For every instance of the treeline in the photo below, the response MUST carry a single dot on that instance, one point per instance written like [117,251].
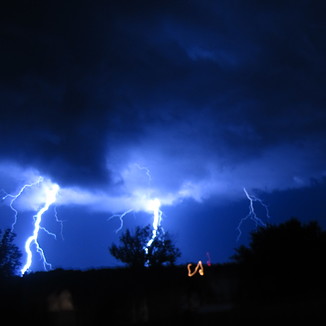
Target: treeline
[286,260]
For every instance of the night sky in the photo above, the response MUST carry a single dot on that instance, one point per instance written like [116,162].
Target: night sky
[190,102]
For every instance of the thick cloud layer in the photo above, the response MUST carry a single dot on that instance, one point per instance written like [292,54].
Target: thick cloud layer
[210,96]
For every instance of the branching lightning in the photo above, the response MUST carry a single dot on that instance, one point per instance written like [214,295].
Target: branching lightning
[50,198]
[58,221]
[51,195]
[121,216]
[146,203]
[151,205]
[252,213]
[14,197]
[147,171]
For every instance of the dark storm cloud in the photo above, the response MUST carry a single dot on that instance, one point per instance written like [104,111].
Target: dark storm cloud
[188,84]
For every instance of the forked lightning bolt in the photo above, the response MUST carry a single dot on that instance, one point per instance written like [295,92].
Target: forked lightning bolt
[252,214]
[50,198]
[152,206]
[14,197]
[120,216]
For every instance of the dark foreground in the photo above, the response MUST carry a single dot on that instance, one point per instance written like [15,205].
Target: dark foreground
[155,297]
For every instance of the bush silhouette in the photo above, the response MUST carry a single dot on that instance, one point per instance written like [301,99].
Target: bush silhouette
[288,258]
[9,254]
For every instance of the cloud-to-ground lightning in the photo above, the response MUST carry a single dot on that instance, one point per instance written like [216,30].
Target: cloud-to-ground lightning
[50,192]
[150,205]
[252,213]
[154,206]
[51,195]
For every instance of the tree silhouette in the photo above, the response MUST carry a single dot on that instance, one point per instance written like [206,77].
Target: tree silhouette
[290,256]
[133,250]
[162,250]
[9,254]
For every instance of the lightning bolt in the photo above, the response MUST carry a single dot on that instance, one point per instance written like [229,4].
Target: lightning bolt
[152,206]
[252,213]
[60,222]
[147,171]
[14,197]
[123,214]
[50,197]
[120,216]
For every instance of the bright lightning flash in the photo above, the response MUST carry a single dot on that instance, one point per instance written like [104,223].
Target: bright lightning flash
[50,198]
[51,195]
[154,206]
[148,205]
[252,213]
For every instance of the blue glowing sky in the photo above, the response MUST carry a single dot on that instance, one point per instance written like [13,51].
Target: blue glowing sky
[185,101]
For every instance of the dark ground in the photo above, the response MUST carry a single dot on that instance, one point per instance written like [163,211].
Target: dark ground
[155,297]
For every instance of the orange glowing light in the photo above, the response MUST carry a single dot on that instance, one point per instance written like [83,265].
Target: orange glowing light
[199,268]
